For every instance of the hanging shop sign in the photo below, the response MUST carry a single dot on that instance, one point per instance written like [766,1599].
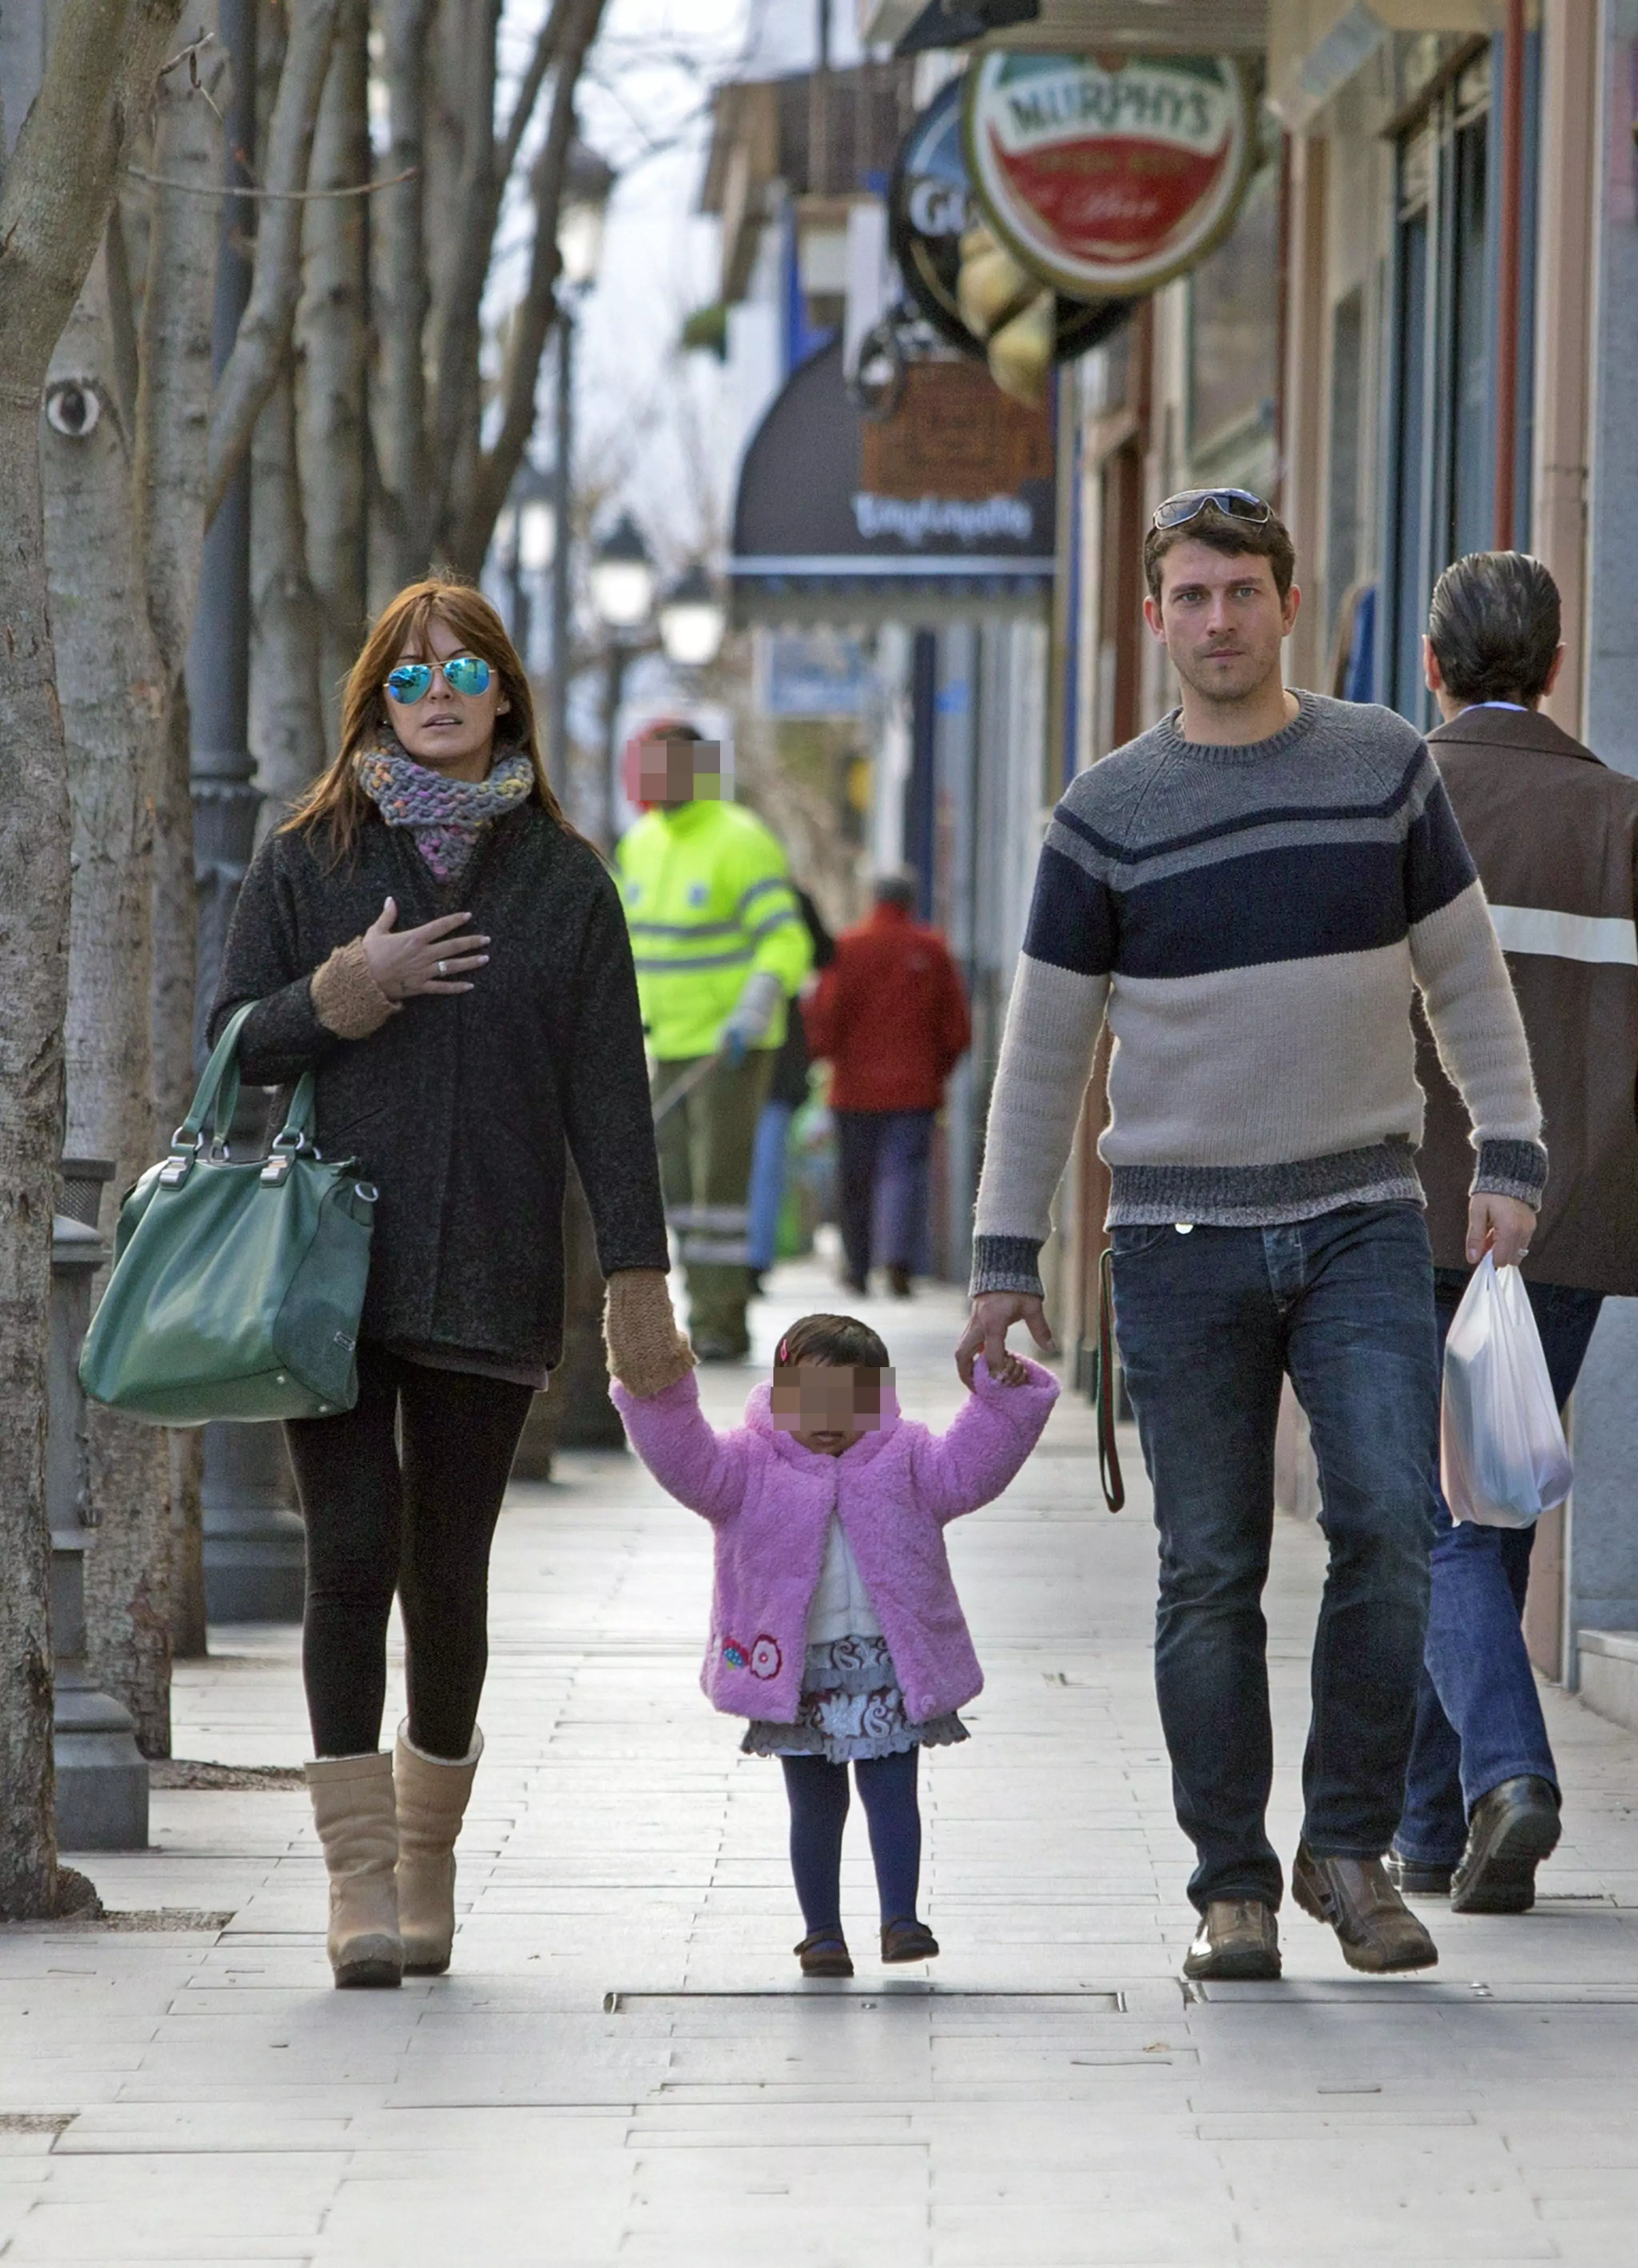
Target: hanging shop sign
[930,209]
[1109,175]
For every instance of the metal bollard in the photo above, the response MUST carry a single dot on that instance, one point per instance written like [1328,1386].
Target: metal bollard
[102,1778]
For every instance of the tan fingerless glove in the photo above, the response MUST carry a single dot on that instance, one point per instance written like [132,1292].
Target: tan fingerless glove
[646,1350]
[346,999]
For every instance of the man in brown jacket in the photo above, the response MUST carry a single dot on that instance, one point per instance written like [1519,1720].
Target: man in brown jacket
[1554,834]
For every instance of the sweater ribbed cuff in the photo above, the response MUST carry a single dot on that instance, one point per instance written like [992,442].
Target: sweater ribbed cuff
[346,999]
[1512,1169]
[1007,1263]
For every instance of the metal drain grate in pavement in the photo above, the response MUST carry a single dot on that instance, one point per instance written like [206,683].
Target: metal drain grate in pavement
[1080,2003]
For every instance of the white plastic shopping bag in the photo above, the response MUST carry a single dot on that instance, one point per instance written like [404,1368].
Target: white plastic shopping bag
[1504,1460]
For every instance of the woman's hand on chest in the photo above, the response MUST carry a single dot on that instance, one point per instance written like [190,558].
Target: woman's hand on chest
[441,955]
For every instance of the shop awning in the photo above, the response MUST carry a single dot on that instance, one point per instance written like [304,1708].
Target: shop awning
[944,511]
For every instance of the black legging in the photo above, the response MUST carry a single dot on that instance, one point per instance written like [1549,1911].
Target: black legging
[422,1526]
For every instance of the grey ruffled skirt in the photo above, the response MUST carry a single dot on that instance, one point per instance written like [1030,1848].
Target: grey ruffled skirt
[851,1710]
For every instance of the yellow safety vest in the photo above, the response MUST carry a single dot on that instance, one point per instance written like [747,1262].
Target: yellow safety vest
[709,905]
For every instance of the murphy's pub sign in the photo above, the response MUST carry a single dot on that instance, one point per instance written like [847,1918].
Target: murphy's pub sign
[1109,175]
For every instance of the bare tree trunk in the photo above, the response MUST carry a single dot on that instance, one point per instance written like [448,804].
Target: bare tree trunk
[110,683]
[463,44]
[332,337]
[173,399]
[287,724]
[54,206]
[401,546]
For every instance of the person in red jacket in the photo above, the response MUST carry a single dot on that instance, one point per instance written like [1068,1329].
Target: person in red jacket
[890,1015]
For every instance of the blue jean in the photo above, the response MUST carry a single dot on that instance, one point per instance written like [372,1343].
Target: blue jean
[1209,1321]
[767,1182]
[1479,1719]
[882,1160]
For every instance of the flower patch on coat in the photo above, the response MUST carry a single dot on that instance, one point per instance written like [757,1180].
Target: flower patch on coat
[734,1653]
[766,1658]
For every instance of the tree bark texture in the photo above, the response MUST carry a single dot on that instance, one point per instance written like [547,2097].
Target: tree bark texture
[173,345]
[110,683]
[54,206]
[464,41]
[332,345]
[286,722]
[252,370]
[477,503]
[402,543]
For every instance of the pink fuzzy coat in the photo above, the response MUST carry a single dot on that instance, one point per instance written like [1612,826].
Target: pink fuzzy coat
[770,1501]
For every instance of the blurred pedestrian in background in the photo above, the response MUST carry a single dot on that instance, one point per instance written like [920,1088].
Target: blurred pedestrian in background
[431,939]
[720,947]
[1554,834]
[786,1095]
[890,1016]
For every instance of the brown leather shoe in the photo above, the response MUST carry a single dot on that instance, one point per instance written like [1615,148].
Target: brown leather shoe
[1237,1937]
[1377,1930]
[824,1953]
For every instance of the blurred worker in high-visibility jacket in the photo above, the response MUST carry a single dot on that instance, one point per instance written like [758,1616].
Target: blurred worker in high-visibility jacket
[720,947]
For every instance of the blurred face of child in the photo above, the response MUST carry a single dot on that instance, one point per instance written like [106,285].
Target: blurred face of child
[826,1406]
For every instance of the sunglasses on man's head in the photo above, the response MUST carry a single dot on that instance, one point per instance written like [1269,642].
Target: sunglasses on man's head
[1233,504]
[463,673]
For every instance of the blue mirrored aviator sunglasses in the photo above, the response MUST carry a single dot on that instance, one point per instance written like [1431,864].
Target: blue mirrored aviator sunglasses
[1234,504]
[463,673]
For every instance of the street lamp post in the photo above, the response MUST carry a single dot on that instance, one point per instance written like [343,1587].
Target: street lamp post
[622,592]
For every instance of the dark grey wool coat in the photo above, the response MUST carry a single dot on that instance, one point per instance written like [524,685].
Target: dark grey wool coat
[460,1105]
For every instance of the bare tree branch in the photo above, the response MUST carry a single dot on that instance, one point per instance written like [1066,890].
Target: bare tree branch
[528,94]
[253,368]
[538,312]
[463,270]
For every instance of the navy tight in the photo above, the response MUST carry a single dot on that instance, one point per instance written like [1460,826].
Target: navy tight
[817,1791]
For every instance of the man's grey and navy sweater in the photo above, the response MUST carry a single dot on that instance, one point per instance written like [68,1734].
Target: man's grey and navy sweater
[1254,920]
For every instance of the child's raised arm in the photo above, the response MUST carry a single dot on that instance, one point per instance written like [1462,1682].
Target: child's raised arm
[986,1446]
[702,1468]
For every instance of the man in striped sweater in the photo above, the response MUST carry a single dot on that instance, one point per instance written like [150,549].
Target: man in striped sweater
[1251,891]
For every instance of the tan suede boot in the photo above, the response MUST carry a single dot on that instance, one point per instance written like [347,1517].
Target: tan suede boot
[354,1810]
[432,1795]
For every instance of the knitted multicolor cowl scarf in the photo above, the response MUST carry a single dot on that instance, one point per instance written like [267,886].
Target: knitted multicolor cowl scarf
[445,816]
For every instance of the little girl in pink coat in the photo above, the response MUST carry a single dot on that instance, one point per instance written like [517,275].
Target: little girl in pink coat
[835,1627]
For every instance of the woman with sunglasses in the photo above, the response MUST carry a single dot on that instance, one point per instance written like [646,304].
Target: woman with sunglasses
[432,938]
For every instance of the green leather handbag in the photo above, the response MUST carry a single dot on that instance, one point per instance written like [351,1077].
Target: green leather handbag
[237,1285]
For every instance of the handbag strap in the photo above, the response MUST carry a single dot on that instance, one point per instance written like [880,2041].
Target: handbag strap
[213,1086]
[1108,1452]
[217,1096]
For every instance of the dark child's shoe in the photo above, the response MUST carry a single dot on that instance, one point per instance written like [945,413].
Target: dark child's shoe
[1237,1937]
[908,1941]
[1514,1827]
[1412,1879]
[899,1283]
[825,1954]
[1375,1929]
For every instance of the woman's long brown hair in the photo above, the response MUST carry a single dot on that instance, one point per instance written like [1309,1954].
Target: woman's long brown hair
[335,800]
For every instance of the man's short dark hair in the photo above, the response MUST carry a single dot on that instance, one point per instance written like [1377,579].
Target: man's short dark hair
[837,1340]
[1269,539]
[1494,625]
[896,887]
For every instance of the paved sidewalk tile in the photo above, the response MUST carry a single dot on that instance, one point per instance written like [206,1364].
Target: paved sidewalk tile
[624,2065]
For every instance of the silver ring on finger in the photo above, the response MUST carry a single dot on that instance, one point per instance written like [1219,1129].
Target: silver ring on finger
[443,969]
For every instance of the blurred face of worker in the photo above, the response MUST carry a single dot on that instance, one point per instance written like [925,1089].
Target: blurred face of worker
[827,1406]
[1222,621]
[674,770]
